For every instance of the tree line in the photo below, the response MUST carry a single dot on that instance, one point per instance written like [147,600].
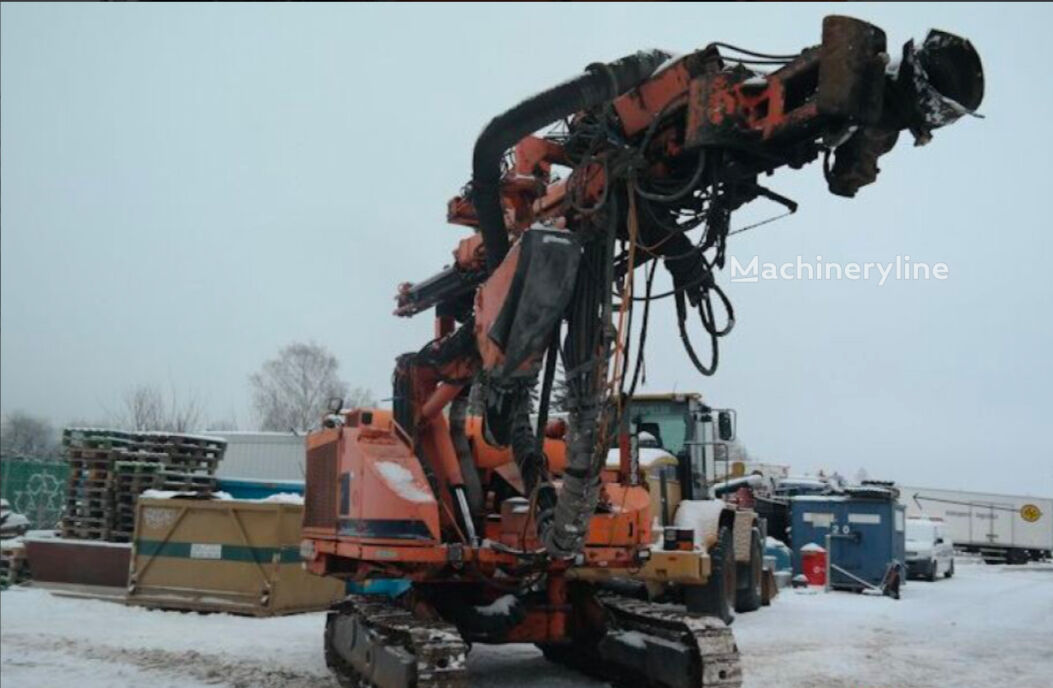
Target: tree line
[289,392]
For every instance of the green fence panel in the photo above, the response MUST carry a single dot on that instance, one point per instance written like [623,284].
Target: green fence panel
[35,488]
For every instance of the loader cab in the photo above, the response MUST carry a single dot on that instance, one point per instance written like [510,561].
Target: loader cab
[690,430]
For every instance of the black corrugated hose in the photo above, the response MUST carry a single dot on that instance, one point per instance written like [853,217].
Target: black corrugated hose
[600,83]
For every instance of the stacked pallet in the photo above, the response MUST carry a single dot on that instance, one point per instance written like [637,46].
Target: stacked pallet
[109,469]
[14,567]
[89,497]
[132,479]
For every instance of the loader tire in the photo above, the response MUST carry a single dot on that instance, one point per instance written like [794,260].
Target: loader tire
[717,596]
[950,570]
[749,595]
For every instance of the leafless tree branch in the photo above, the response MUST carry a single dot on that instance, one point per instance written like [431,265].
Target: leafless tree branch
[291,391]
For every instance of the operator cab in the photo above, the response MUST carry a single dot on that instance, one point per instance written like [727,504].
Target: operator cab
[696,434]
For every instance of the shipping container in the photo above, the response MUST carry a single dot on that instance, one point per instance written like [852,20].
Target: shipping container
[1002,528]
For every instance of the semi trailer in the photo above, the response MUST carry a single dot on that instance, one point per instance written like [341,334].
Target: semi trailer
[1011,529]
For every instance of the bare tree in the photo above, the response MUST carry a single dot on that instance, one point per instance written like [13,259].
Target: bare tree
[183,415]
[144,408]
[358,396]
[147,408]
[290,391]
[27,435]
[223,423]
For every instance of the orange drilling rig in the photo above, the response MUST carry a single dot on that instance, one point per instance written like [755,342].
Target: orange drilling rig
[503,537]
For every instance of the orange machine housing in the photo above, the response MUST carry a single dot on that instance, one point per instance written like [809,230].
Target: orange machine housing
[372,511]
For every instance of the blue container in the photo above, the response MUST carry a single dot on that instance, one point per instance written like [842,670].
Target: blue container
[867,529]
[781,553]
[240,488]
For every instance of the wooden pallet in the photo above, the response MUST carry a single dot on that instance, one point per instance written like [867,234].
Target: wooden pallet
[132,479]
[99,436]
[75,505]
[109,469]
[84,533]
[90,494]
[187,484]
[82,506]
[14,567]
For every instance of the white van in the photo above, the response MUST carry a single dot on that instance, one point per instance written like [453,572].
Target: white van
[930,551]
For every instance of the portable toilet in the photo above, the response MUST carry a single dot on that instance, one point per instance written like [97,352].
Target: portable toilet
[866,525]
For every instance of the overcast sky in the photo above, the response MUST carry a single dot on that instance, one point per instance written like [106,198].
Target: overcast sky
[187,188]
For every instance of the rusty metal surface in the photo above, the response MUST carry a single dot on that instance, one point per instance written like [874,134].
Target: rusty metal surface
[87,563]
[321,502]
[851,70]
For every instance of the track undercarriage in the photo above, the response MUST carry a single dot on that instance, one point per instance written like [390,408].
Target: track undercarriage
[373,642]
[379,643]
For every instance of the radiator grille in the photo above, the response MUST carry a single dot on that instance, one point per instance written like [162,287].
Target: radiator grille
[320,503]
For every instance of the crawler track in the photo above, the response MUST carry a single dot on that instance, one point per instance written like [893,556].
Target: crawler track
[650,644]
[372,643]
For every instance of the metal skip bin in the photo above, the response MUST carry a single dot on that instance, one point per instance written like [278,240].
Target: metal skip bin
[223,555]
[866,534]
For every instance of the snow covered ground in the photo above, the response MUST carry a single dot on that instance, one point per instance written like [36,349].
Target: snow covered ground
[986,627]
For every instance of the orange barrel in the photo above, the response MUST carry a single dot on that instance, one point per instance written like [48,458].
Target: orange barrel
[813,564]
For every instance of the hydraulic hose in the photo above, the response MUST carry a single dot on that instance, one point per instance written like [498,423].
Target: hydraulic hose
[600,83]
[563,532]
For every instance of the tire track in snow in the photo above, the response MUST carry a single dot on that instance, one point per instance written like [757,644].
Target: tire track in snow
[206,668]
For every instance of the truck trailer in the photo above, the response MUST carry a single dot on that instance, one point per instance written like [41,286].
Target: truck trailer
[1011,529]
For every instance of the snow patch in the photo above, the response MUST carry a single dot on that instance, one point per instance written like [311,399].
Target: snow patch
[502,606]
[812,547]
[940,634]
[702,516]
[203,496]
[649,457]
[400,479]
[282,498]
[112,432]
[14,519]
[277,498]
[633,639]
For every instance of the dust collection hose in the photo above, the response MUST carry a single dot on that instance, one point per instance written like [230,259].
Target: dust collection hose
[599,84]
